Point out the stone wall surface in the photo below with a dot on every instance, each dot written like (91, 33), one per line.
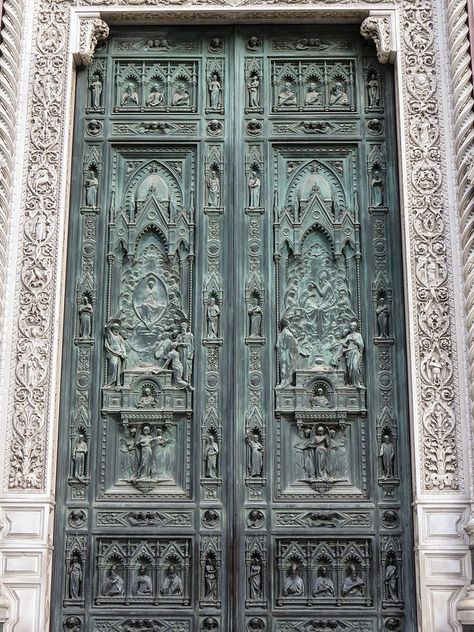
(427, 41)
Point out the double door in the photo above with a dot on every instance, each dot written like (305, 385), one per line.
(234, 451)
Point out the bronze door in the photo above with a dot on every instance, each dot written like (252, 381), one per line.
(234, 450)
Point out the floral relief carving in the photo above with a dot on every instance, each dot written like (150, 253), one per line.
(31, 388)
(432, 292)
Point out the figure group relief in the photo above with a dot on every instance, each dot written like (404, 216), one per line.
(318, 85)
(162, 322)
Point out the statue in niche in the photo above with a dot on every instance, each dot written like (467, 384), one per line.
(313, 96)
(353, 584)
(255, 578)
(294, 585)
(319, 400)
(320, 453)
(211, 452)
(391, 580)
(186, 342)
(215, 90)
(323, 586)
(353, 348)
(255, 463)
(176, 365)
(180, 96)
(79, 457)
(85, 317)
(213, 313)
(213, 189)
(75, 577)
(338, 95)
(254, 184)
(142, 585)
(113, 584)
(146, 442)
(387, 455)
(377, 188)
(96, 92)
(152, 302)
(91, 185)
(287, 352)
(305, 445)
(147, 399)
(382, 313)
(130, 96)
(210, 579)
(171, 584)
(287, 96)
(373, 90)
(253, 87)
(255, 314)
(116, 351)
(156, 96)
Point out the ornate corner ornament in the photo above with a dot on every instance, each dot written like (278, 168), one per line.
(92, 30)
(380, 28)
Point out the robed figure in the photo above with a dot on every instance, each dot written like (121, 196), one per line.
(288, 352)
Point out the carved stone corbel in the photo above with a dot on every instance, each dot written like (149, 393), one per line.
(380, 28)
(92, 30)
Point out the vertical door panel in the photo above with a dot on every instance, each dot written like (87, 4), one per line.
(234, 448)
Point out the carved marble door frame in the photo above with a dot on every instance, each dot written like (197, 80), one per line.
(408, 33)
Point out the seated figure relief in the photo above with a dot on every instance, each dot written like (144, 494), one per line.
(313, 95)
(353, 585)
(287, 95)
(171, 584)
(113, 584)
(142, 585)
(323, 586)
(181, 96)
(294, 584)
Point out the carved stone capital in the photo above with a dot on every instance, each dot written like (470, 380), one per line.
(380, 28)
(92, 30)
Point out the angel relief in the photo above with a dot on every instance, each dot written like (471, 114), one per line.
(317, 302)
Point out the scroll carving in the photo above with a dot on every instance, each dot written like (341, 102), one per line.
(379, 28)
(92, 31)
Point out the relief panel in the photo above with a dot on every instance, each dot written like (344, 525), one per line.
(233, 394)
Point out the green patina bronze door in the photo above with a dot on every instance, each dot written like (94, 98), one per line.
(234, 452)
